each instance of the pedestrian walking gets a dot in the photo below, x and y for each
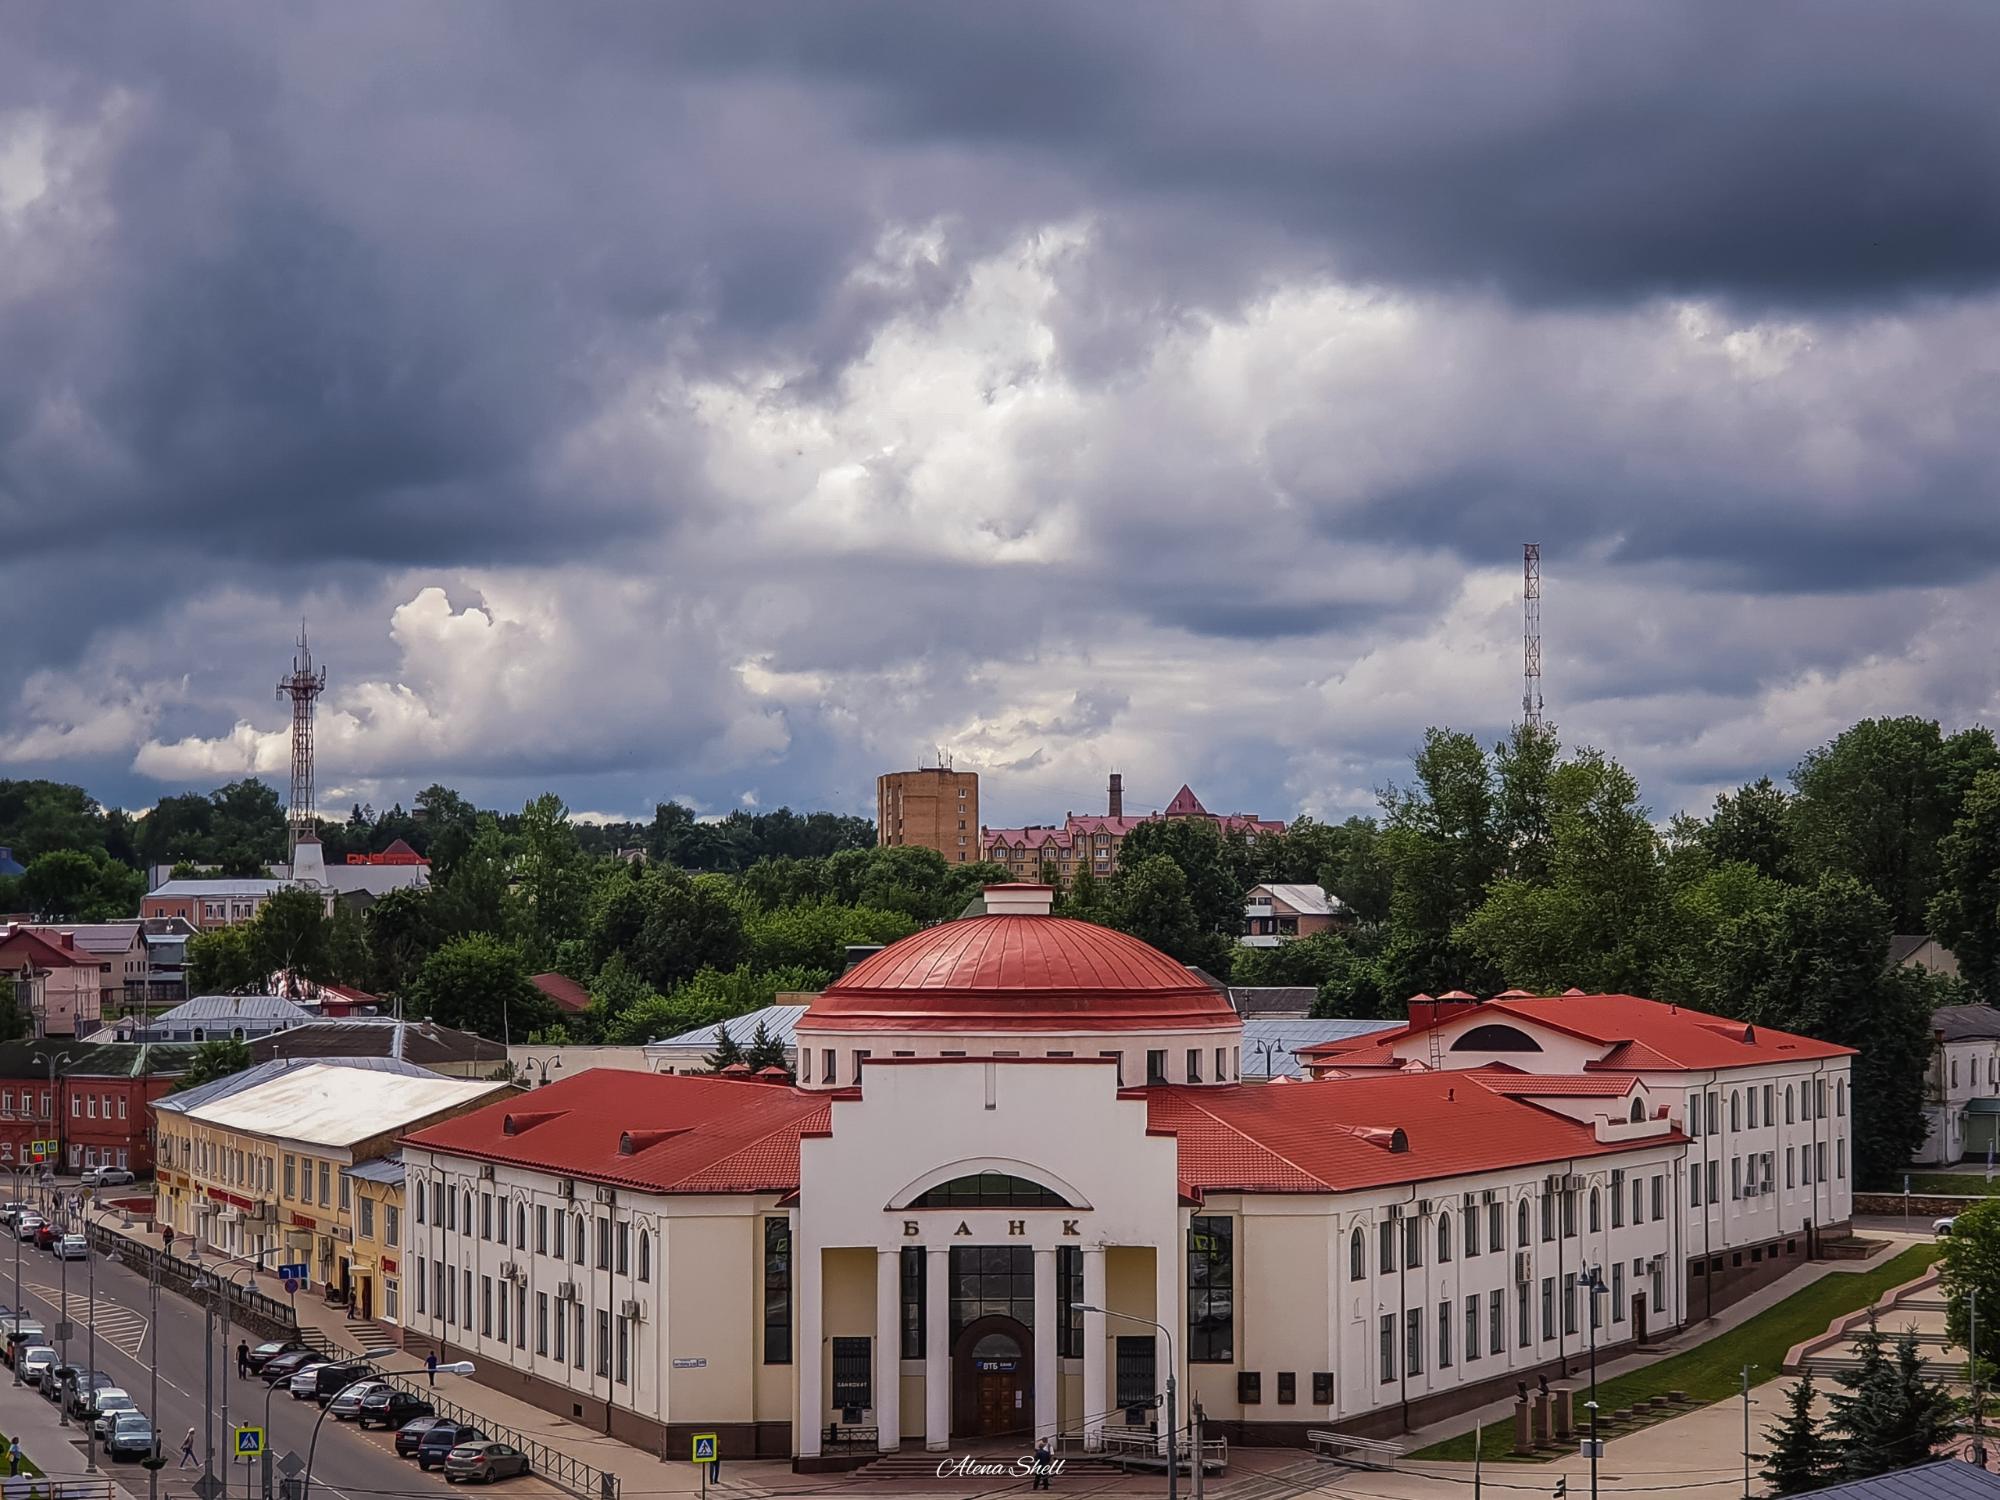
(167, 1237)
(1044, 1460)
(431, 1366)
(14, 1457)
(187, 1451)
(243, 1359)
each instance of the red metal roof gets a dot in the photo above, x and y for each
(1638, 1035)
(39, 950)
(1017, 973)
(563, 990)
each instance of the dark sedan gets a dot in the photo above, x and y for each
(385, 1406)
(411, 1434)
(263, 1354)
(440, 1440)
(285, 1366)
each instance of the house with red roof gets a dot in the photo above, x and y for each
(53, 981)
(1018, 1149)
(1766, 1112)
(1089, 841)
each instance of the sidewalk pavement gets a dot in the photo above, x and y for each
(638, 1471)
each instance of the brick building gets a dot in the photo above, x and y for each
(1091, 841)
(54, 984)
(96, 1108)
(933, 807)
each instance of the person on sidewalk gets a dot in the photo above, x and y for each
(167, 1238)
(1044, 1463)
(13, 1457)
(243, 1359)
(187, 1451)
(431, 1367)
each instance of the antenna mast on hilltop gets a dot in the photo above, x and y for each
(1531, 634)
(303, 687)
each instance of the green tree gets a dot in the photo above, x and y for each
(39, 817)
(1086, 899)
(657, 1017)
(74, 885)
(1965, 913)
(1860, 1418)
(222, 961)
(1310, 960)
(1357, 869)
(1752, 826)
(1215, 870)
(1150, 900)
(480, 983)
(403, 931)
(765, 1051)
(289, 934)
(1444, 847)
(1875, 801)
(815, 939)
(213, 1060)
(1699, 911)
(1797, 1457)
(728, 1052)
(553, 883)
(1524, 764)
(1969, 1268)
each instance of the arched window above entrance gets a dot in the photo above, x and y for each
(1493, 1037)
(996, 1346)
(991, 1190)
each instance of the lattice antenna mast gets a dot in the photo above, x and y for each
(1531, 634)
(303, 687)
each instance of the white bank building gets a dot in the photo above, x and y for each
(1016, 1182)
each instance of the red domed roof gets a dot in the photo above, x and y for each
(1017, 973)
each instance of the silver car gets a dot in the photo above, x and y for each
(347, 1405)
(36, 1361)
(304, 1384)
(72, 1247)
(106, 1405)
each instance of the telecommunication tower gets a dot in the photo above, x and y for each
(303, 687)
(1531, 634)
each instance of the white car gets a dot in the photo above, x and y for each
(35, 1361)
(72, 1247)
(304, 1384)
(98, 1177)
(106, 1404)
(26, 1225)
(1941, 1227)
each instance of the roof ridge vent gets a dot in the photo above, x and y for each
(518, 1121)
(1389, 1137)
(632, 1142)
(1024, 900)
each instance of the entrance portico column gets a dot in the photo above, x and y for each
(1047, 1342)
(1095, 1397)
(806, 1353)
(937, 1349)
(888, 1350)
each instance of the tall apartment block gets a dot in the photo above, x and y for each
(935, 807)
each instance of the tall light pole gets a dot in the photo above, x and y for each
(214, 1281)
(456, 1367)
(1972, 1371)
(153, 1389)
(1593, 1283)
(53, 1057)
(19, 1189)
(227, 1283)
(1173, 1454)
(1746, 1430)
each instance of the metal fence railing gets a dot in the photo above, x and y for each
(185, 1272)
(22, 1487)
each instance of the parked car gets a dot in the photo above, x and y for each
(285, 1366)
(100, 1177)
(413, 1432)
(106, 1404)
(80, 1394)
(36, 1361)
(72, 1247)
(26, 1225)
(263, 1354)
(55, 1381)
(332, 1379)
(385, 1407)
(438, 1441)
(131, 1436)
(347, 1405)
(46, 1235)
(23, 1333)
(484, 1462)
(304, 1384)
(12, 1207)
(1942, 1227)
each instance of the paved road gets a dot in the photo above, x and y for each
(348, 1465)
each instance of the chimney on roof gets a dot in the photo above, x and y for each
(1116, 798)
(66, 940)
(858, 951)
(1019, 900)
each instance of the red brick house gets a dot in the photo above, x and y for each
(100, 1114)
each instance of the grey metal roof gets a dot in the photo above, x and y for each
(1276, 1001)
(1269, 1044)
(241, 885)
(203, 1008)
(779, 1021)
(1946, 1479)
(382, 1169)
(250, 1078)
(1967, 1023)
(1306, 900)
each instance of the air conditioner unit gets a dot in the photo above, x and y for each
(1524, 1265)
(506, 1270)
(566, 1292)
(486, 1171)
(1573, 1183)
(1423, 1208)
(1490, 1195)
(632, 1308)
(565, 1187)
(1395, 1212)
(1470, 1202)
(606, 1194)
(1553, 1183)
(344, 1234)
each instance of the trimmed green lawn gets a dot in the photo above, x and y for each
(1714, 1370)
(1954, 1184)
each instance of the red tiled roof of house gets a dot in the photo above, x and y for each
(663, 1133)
(1515, 1084)
(41, 950)
(566, 992)
(1017, 973)
(1336, 1136)
(1638, 1035)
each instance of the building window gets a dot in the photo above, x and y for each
(542, 1326)
(367, 1211)
(1357, 1256)
(1322, 1388)
(1521, 1224)
(989, 1280)
(1413, 1243)
(911, 1268)
(1596, 1212)
(604, 1342)
(645, 1256)
(1156, 1067)
(1444, 1238)
(576, 1240)
(603, 1243)
(1548, 1307)
(1069, 1292)
(1211, 1290)
(1496, 1232)
(777, 1291)
(1496, 1322)
(486, 1307)
(291, 1185)
(1618, 1200)
(1472, 1327)
(346, 1193)
(1194, 1065)
(1617, 1294)
(860, 1057)
(576, 1346)
(990, 1190)
(325, 1184)
(1249, 1387)
(1444, 1335)
(521, 1315)
(1385, 1250)
(1659, 1195)
(1288, 1388)
(1525, 1330)
(1413, 1341)
(624, 1351)
(1136, 1383)
(1548, 1217)
(1569, 1215)
(418, 1282)
(1221, 1064)
(1388, 1347)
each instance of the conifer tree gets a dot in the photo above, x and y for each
(1797, 1456)
(727, 1051)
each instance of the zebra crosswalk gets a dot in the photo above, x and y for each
(120, 1326)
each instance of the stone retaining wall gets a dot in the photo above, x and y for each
(1921, 1205)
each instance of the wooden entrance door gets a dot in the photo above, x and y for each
(999, 1396)
(993, 1380)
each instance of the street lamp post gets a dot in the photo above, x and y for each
(214, 1281)
(18, 1190)
(456, 1367)
(1173, 1454)
(153, 1388)
(1593, 1282)
(543, 1068)
(227, 1285)
(1746, 1430)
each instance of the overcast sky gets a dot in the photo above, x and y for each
(732, 401)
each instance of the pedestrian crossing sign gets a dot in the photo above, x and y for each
(249, 1442)
(704, 1448)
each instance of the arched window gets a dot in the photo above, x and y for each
(1521, 1225)
(1496, 1038)
(1596, 1212)
(1444, 1238)
(1638, 1110)
(646, 1255)
(1840, 1096)
(1788, 1104)
(468, 1211)
(576, 1243)
(1357, 1256)
(521, 1226)
(1735, 1110)
(991, 1190)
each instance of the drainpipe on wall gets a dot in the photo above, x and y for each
(1817, 1219)
(1403, 1314)
(1707, 1205)
(1562, 1313)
